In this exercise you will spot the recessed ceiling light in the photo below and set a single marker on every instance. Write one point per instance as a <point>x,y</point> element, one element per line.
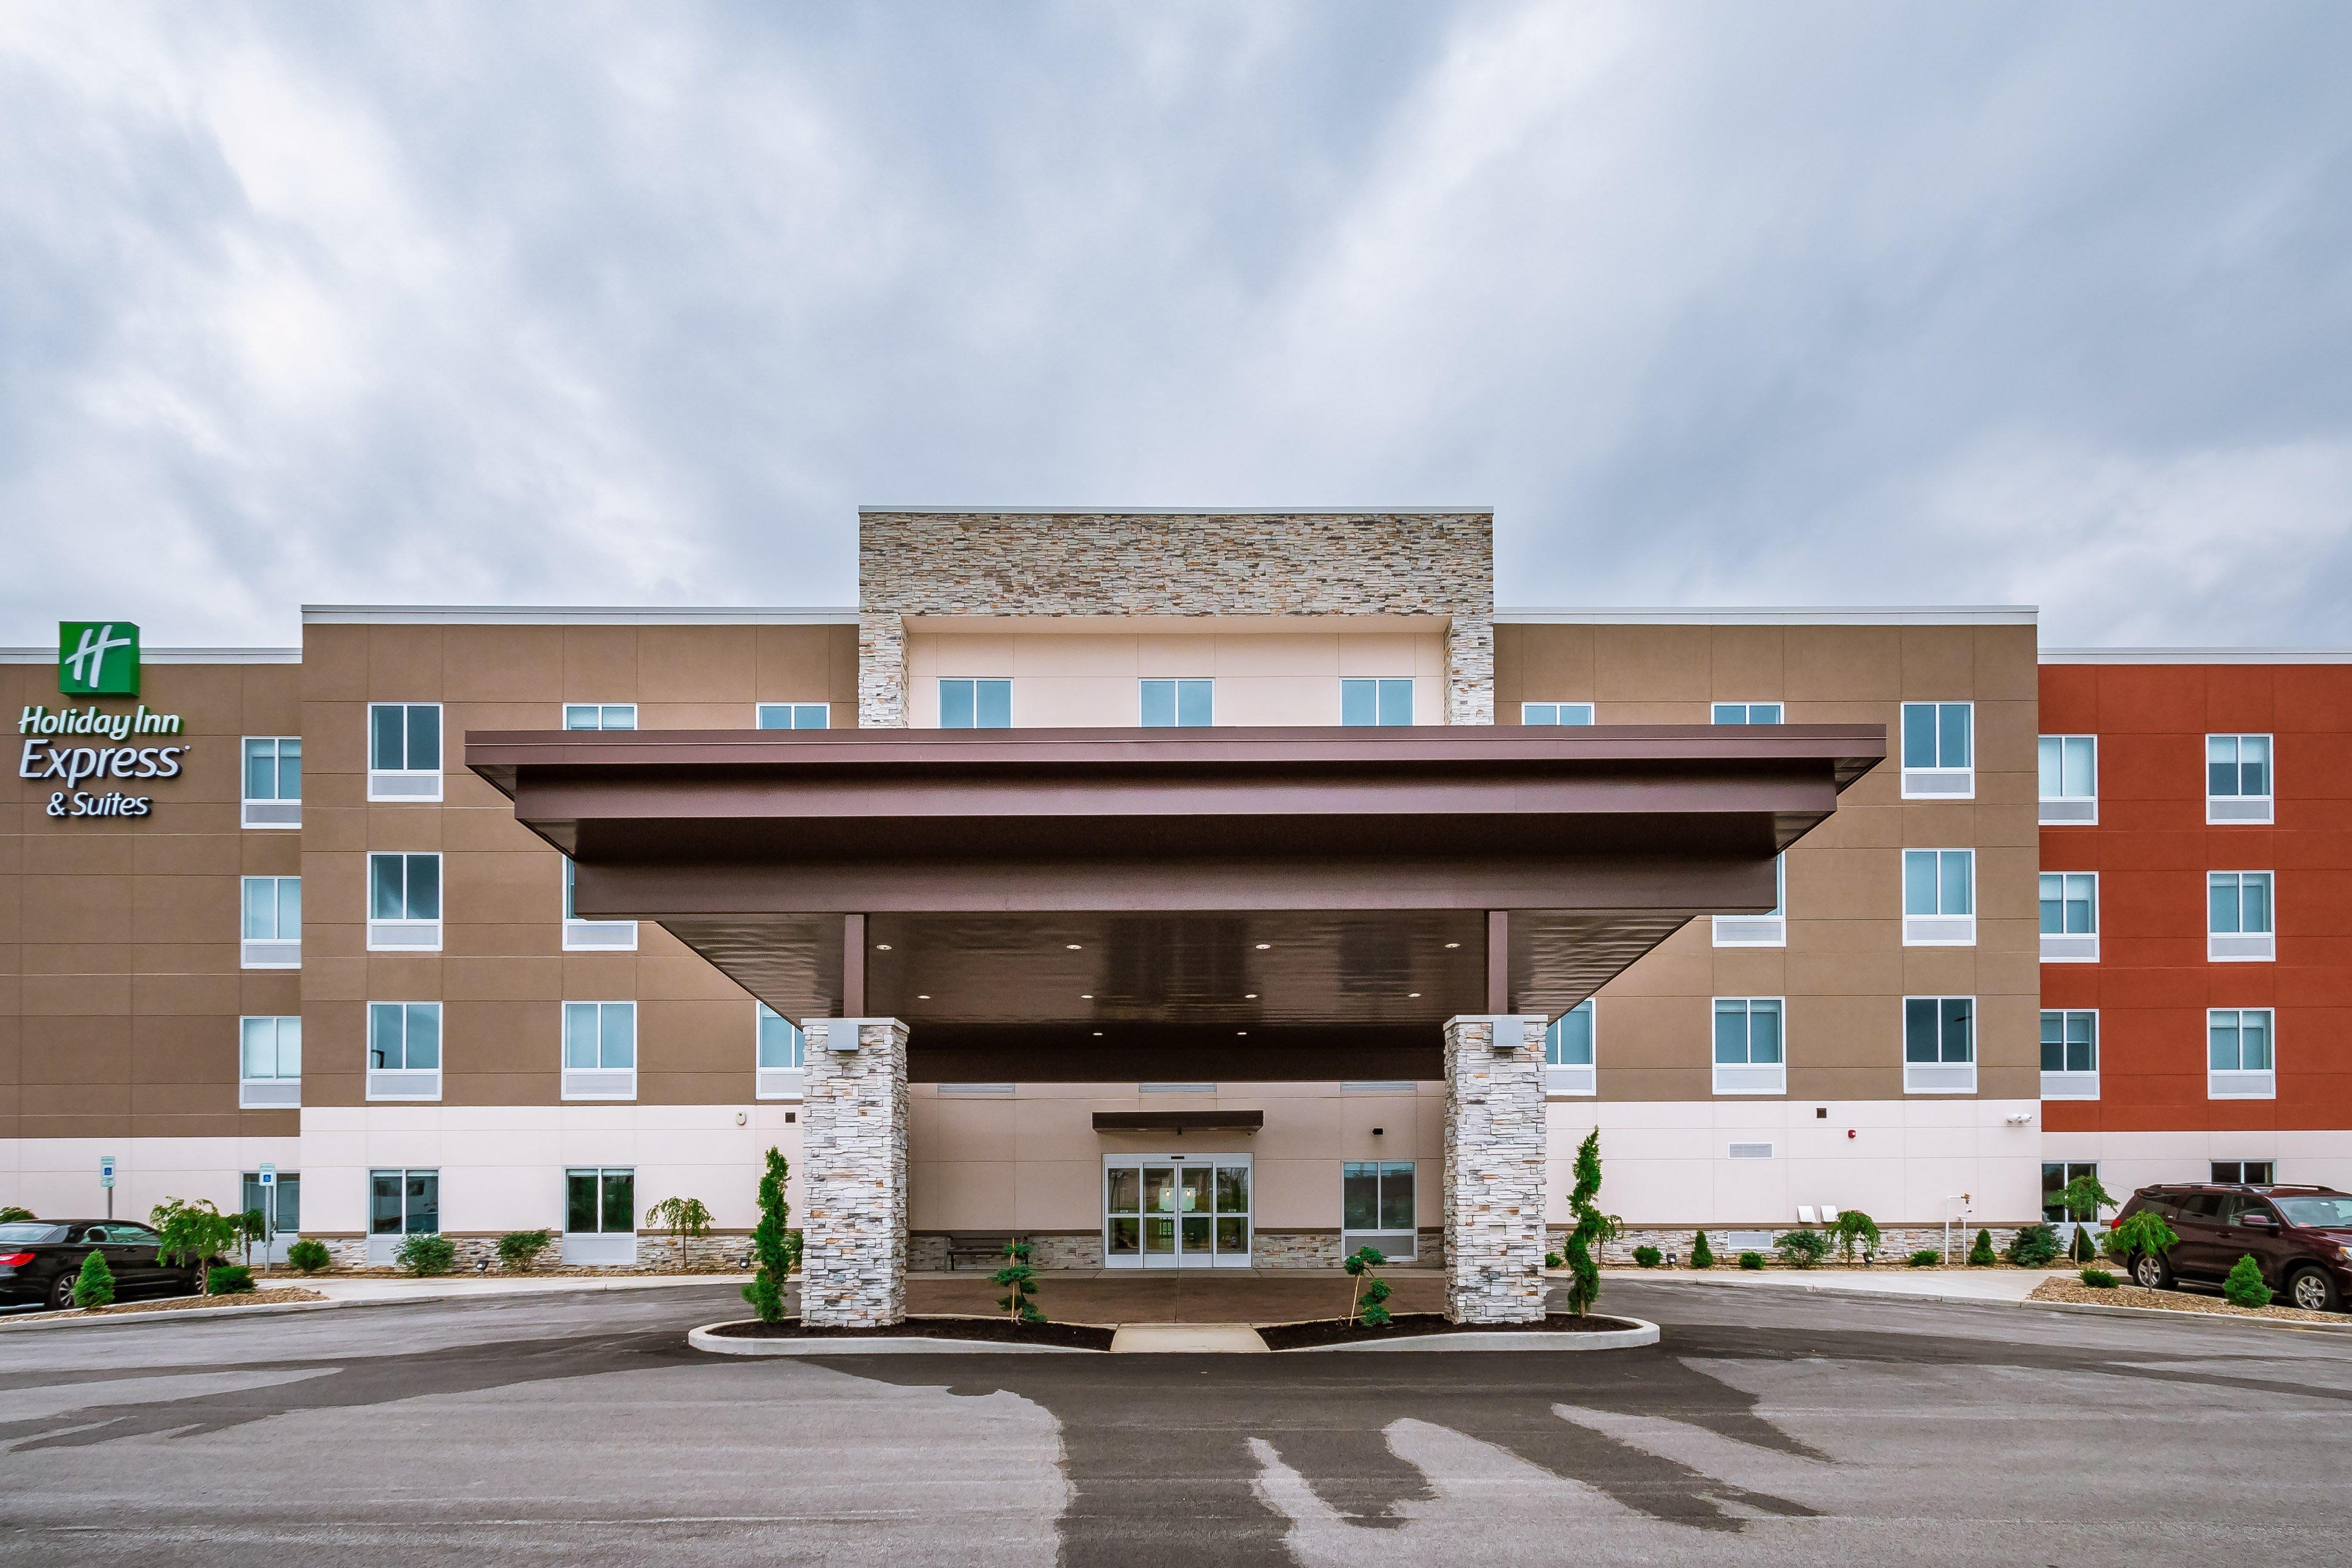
<point>881,947</point>
<point>1241,1031</point>
<point>1097,1034</point>
<point>1454,944</point>
<point>1249,996</point>
<point>1412,993</point>
<point>1072,947</point>
<point>1264,945</point>
<point>922,995</point>
<point>1086,996</point>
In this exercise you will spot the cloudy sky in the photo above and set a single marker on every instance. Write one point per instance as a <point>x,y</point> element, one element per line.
<point>1738,303</point>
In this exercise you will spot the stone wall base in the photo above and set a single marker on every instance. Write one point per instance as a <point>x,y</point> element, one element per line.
<point>655,1255</point>
<point>1896,1242</point>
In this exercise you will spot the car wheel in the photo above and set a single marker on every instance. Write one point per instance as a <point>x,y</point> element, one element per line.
<point>61,1294</point>
<point>2152,1273</point>
<point>2313,1291</point>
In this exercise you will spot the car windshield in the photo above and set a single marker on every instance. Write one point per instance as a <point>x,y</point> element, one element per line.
<point>26,1230</point>
<point>2318,1213</point>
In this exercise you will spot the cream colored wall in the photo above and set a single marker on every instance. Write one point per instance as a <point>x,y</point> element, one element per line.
<point>1088,679</point>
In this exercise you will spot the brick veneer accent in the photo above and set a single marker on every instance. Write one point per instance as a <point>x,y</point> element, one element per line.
<point>853,1168</point>
<point>1497,1136</point>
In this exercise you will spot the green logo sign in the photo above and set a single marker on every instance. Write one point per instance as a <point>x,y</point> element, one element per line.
<point>98,658</point>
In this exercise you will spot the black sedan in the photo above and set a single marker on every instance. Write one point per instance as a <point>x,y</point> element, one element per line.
<point>40,1260</point>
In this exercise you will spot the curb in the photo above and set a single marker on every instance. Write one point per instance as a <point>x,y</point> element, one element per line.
<point>283,1309</point>
<point>2091,1309</point>
<point>1642,1332</point>
<point>704,1339</point>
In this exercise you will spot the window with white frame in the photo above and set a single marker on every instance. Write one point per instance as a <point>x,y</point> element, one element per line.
<point>1375,702</point>
<point>270,933</point>
<point>1176,704</point>
<point>2069,918</point>
<point>1771,930</point>
<point>975,705</point>
<point>2055,1175</point>
<point>1555,713</point>
<point>779,1053</point>
<point>599,716</point>
<point>1750,1054</point>
<point>591,935</point>
<point>2070,1054</point>
<point>2238,787</point>
<point>269,1063</point>
<point>600,1215</point>
<point>404,902</point>
<point>1939,751</point>
<point>401,1203</point>
<point>1376,1208</point>
<point>1939,1045</point>
<point>599,1050</point>
<point>2070,778</point>
<point>2245,1173</point>
<point>2240,1055</point>
<point>403,1056</point>
<point>2239,917</point>
<point>286,1222</point>
<point>1569,1044</point>
<point>404,751</point>
<point>1746,713</point>
<point>1939,898</point>
<point>272,792</point>
<point>793,715</point>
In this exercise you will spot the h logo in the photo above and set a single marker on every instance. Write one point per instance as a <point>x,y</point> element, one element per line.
<point>98,658</point>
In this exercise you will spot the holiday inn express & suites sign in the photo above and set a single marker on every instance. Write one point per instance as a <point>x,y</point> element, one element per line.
<point>96,658</point>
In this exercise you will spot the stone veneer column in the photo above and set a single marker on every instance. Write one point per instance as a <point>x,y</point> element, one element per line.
<point>1470,671</point>
<point>1496,1145</point>
<point>881,671</point>
<point>854,1175</point>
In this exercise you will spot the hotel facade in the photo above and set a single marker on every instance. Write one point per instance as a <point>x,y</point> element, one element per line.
<point>1173,889</point>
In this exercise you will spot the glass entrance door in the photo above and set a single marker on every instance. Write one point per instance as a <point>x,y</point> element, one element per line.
<point>1176,1211</point>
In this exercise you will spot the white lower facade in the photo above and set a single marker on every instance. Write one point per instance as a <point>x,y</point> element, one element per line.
<point>59,1177</point>
<point>2129,1160</point>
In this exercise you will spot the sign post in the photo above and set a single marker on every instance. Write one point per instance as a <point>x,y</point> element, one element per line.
<point>106,1180</point>
<point>269,1209</point>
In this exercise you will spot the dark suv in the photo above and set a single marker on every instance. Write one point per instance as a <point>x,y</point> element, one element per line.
<point>2300,1237</point>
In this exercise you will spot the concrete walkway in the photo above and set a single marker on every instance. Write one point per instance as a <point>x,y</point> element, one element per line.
<point>1946,1284</point>
<point>462,1287</point>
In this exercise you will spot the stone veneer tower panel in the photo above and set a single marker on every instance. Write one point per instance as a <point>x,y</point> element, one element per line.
<point>854,1175</point>
<point>1495,1141</point>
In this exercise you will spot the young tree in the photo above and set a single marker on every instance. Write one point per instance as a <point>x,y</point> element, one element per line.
<point>1855,1226</point>
<point>193,1233</point>
<point>2142,1235</point>
<point>682,1218</point>
<point>94,1286</point>
<point>252,1231</point>
<point>1370,1289</point>
<point>770,1242</point>
<point>1591,1229</point>
<point>1020,1282</point>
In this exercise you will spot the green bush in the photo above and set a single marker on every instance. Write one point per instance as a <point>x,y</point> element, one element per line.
<point>2244,1286</point>
<point>1856,1229</point>
<point>2098,1279</point>
<point>1648,1257</point>
<point>424,1254</point>
<point>94,1286</point>
<point>2034,1245</point>
<point>12,1213</point>
<point>1803,1248</point>
<point>1553,1260</point>
<point>1591,1227</point>
<point>1751,1259</point>
<point>229,1280</point>
<point>773,1247</point>
<point>1980,1255</point>
<point>1925,1257</point>
<point>2085,1247</point>
<point>519,1250</point>
<point>309,1256</point>
<point>1702,1254</point>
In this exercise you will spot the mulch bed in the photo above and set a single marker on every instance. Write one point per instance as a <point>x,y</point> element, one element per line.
<point>2124,1295</point>
<point>1405,1326</point>
<point>1073,1336</point>
<point>191,1303</point>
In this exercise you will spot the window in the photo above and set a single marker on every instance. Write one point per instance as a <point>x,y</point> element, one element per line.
<point>2238,778</point>
<point>2069,918</point>
<point>1939,1045</point>
<point>1747,713</point>
<point>592,935</point>
<point>600,1216</point>
<point>599,716</point>
<point>287,1219</point>
<point>404,1050</point>
<point>273,781</point>
<point>1555,713</point>
<point>2070,1055</point>
<point>1748,1049</point>
<point>793,715</point>
<point>2055,1175</point>
<point>404,902</point>
<point>404,751</point>
<point>2241,1062</point>
<point>269,1063</point>
<point>270,935</point>
<point>1939,751</point>
<point>1760,930</point>
<point>1176,705</point>
<point>780,1051</point>
<point>401,1203</point>
<point>1382,702</point>
<point>1939,898</point>
<point>2238,917</point>
<point>2245,1173</point>
<point>599,1050</point>
<point>2070,778</point>
<point>1376,1208</point>
<point>1569,1041</point>
<point>975,705</point>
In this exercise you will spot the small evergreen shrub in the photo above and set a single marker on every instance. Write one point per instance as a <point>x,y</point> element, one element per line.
<point>1020,1299</point>
<point>519,1250</point>
<point>1925,1257</point>
<point>1702,1254</point>
<point>11,1212</point>
<point>424,1255</point>
<point>2085,1247</point>
<point>1553,1260</point>
<point>1803,1248</point>
<point>1751,1259</point>
<point>94,1286</point>
<point>1365,1302</point>
<point>1591,1229</point>
<point>2244,1286</point>
<point>309,1256</point>
<point>1648,1257</point>
<point>2098,1279</point>
<point>229,1280</point>
<point>773,1247</point>
<point>1980,1255</point>
<point>2034,1245</point>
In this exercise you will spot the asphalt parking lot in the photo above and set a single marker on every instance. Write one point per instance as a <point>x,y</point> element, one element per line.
<point>1766,1427</point>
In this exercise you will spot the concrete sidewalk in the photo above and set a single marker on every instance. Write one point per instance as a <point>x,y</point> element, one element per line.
<point>1946,1284</point>
<point>461,1287</point>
